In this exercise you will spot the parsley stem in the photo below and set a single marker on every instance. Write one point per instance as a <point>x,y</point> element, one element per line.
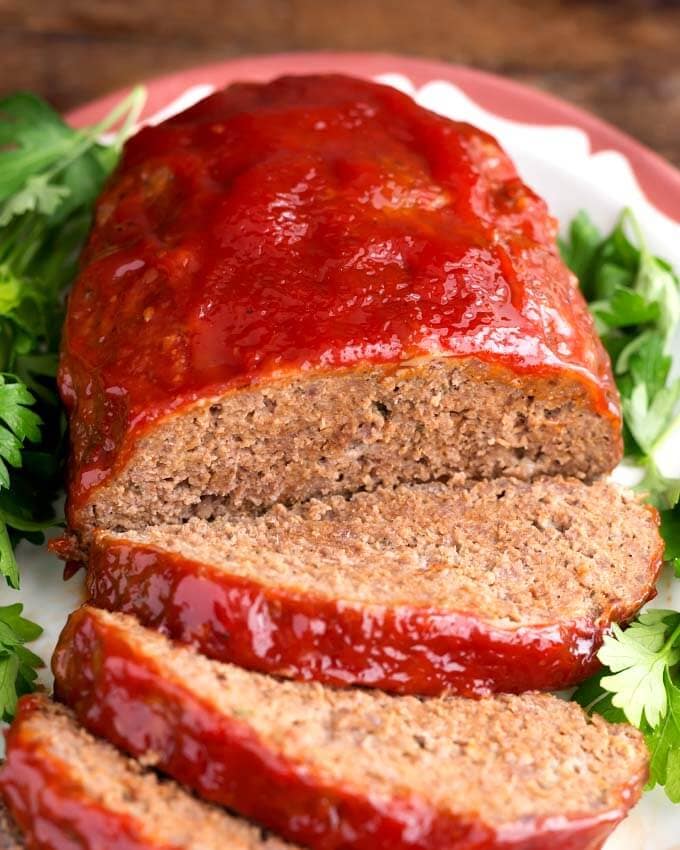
<point>131,108</point>
<point>668,645</point>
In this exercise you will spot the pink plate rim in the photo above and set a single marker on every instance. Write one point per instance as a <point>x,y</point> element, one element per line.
<point>659,180</point>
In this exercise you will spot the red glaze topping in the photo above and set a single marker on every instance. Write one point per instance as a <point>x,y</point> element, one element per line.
<point>119,694</point>
<point>310,223</point>
<point>404,650</point>
<point>52,810</point>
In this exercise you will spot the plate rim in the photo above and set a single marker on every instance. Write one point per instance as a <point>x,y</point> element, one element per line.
<point>506,98</point>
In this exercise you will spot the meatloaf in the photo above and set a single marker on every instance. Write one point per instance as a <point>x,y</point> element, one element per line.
<point>348,768</point>
<point>314,286</point>
<point>498,585</point>
<point>68,790</point>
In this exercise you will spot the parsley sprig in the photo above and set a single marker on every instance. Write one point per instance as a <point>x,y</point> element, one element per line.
<point>17,663</point>
<point>50,175</point>
<point>635,299</point>
<point>640,685</point>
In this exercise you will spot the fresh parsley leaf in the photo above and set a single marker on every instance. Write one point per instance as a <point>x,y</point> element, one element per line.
<point>9,674</point>
<point>18,665</point>
<point>50,176</point>
<point>595,699</point>
<point>643,690</point>
<point>580,249</point>
<point>33,138</point>
<point>670,531</point>
<point>623,308</point>
<point>23,630</point>
<point>38,195</point>
<point>635,301</point>
<point>644,361</point>
<point>648,413</point>
<point>21,424</point>
<point>639,658</point>
<point>656,283</point>
<point>664,744</point>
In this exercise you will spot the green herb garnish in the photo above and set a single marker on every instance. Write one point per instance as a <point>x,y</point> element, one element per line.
<point>17,664</point>
<point>635,299</point>
<point>50,176</point>
<point>640,686</point>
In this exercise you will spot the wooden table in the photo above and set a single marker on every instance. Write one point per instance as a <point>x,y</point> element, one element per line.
<point>618,58</point>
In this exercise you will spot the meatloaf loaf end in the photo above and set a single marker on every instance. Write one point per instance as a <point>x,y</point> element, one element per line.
<point>499,585</point>
<point>313,286</point>
<point>66,789</point>
<point>350,768</point>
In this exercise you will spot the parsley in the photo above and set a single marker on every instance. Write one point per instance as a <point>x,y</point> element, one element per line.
<point>17,664</point>
<point>50,176</point>
<point>635,300</point>
<point>670,531</point>
<point>640,686</point>
<point>639,659</point>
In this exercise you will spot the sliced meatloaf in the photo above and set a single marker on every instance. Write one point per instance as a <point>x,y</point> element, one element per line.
<point>348,768</point>
<point>498,585</point>
<point>68,790</point>
<point>313,286</point>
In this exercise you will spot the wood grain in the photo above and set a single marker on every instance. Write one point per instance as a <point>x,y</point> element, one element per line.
<point>618,58</point>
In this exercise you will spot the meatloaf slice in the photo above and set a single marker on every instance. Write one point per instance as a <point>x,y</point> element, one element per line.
<point>67,789</point>
<point>498,585</point>
<point>352,768</point>
<point>312,286</point>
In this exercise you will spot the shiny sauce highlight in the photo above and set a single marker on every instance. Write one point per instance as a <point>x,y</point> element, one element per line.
<point>52,810</point>
<point>118,692</point>
<point>402,649</point>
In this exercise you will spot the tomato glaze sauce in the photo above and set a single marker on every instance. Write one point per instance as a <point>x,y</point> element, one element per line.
<point>118,692</point>
<point>401,649</point>
<point>311,223</point>
<point>52,810</point>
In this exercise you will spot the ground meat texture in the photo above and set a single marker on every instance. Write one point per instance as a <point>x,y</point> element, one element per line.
<point>312,286</point>
<point>66,790</point>
<point>352,768</point>
<point>495,586</point>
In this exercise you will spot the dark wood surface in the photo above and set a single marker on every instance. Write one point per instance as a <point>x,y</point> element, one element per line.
<point>618,58</point>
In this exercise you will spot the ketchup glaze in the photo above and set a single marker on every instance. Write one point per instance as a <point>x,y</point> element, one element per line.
<point>308,224</point>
